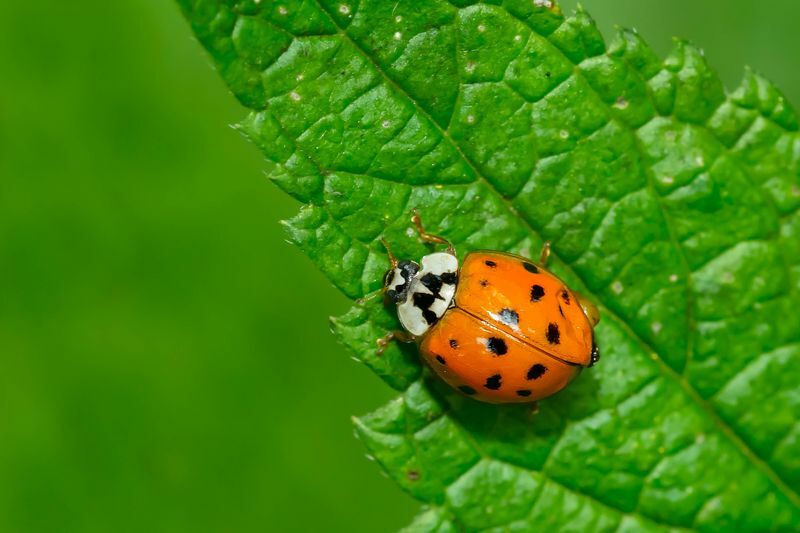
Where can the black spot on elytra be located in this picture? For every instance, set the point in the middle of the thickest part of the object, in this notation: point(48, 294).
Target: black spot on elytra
point(441, 360)
point(509, 317)
point(530, 267)
point(565, 296)
point(449, 278)
point(553, 335)
point(524, 393)
point(466, 389)
point(496, 346)
point(490, 264)
point(494, 382)
point(536, 371)
point(453, 344)
point(483, 283)
point(561, 311)
point(537, 293)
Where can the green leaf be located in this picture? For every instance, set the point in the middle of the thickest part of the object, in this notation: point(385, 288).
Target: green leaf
point(669, 202)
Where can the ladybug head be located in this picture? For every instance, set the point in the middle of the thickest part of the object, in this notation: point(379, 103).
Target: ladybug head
point(398, 279)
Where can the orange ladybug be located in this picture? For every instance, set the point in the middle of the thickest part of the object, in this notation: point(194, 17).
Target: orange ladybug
point(498, 328)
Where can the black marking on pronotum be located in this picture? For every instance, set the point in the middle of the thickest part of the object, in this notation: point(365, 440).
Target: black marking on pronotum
point(449, 278)
point(530, 267)
point(565, 296)
point(508, 317)
point(433, 283)
point(453, 344)
point(408, 269)
point(553, 335)
point(423, 302)
point(483, 283)
point(536, 371)
point(490, 264)
point(441, 360)
point(524, 393)
point(496, 346)
point(494, 382)
point(466, 389)
point(537, 293)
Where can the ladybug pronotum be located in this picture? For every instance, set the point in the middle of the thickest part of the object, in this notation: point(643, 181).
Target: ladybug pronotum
point(499, 328)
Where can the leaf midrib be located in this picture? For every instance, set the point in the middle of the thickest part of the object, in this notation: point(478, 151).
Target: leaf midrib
point(726, 429)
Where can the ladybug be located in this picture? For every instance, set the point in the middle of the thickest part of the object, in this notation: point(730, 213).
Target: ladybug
point(498, 327)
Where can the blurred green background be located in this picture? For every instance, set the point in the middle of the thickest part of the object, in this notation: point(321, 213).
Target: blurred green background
point(165, 361)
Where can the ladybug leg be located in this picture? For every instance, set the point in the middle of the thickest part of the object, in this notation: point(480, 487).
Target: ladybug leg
point(545, 253)
point(595, 353)
point(399, 336)
point(429, 237)
point(371, 296)
point(589, 309)
point(389, 254)
point(533, 410)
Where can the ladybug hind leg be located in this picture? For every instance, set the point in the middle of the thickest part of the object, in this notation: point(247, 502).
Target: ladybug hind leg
point(589, 309)
point(544, 255)
point(397, 335)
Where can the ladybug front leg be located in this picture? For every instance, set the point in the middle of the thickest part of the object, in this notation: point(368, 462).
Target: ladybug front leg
point(429, 237)
point(397, 335)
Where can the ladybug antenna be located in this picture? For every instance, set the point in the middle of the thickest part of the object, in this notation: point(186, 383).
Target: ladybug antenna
point(392, 258)
point(429, 237)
